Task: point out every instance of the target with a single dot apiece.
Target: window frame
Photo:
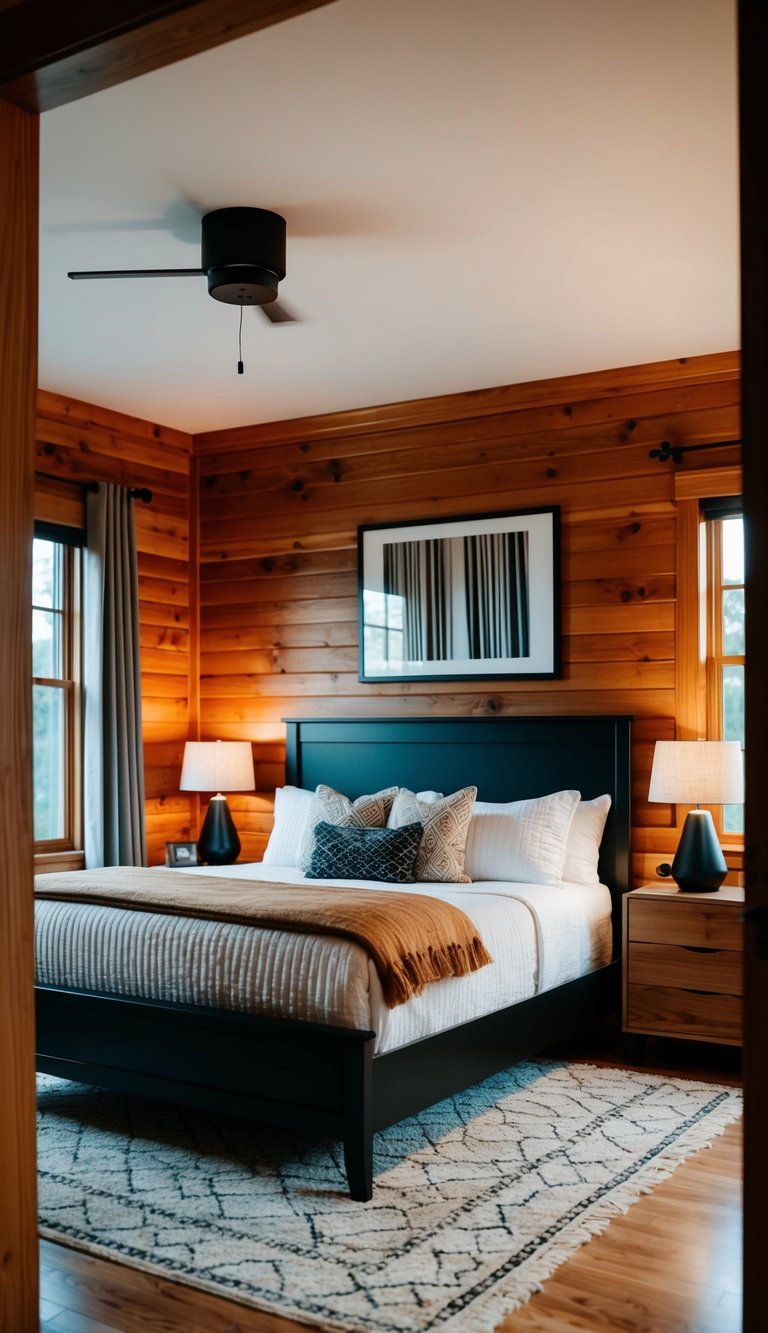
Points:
(49, 850)
(694, 706)
(715, 657)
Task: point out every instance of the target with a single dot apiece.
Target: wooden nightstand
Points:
(682, 964)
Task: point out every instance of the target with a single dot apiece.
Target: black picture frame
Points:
(473, 597)
(179, 855)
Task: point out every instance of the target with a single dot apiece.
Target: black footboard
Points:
(304, 1075)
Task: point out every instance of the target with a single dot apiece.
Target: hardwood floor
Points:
(671, 1264)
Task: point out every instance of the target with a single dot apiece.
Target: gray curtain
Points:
(113, 762)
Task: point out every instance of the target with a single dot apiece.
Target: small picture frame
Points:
(179, 855)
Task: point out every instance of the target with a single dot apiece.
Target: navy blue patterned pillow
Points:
(365, 853)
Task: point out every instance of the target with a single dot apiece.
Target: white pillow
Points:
(522, 841)
(292, 806)
(583, 846)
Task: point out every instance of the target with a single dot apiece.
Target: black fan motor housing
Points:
(243, 254)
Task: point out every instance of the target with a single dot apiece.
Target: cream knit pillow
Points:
(440, 858)
(332, 807)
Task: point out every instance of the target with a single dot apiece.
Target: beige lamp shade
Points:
(217, 766)
(697, 773)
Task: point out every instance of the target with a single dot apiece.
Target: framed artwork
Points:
(180, 854)
(461, 598)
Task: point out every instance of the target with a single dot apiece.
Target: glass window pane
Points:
(47, 573)
(49, 738)
(46, 644)
(733, 819)
(733, 622)
(733, 704)
(733, 550)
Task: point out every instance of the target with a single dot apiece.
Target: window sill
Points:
(46, 862)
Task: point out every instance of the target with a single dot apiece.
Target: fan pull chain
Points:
(240, 367)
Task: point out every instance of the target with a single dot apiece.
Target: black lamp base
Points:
(699, 865)
(218, 844)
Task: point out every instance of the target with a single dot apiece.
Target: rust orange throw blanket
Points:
(412, 938)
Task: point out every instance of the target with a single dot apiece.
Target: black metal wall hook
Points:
(667, 450)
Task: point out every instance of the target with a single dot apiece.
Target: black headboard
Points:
(506, 758)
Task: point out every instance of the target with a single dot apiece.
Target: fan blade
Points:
(278, 314)
(141, 273)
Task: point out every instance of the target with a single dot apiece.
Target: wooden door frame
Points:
(753, 116)
(18, 383)
(49, 54)
(52, 69)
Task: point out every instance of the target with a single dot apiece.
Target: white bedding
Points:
(538, 935)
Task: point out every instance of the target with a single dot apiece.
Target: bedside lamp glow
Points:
(698, 773)
(218, 766)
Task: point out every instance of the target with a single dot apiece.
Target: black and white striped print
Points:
(463, 597)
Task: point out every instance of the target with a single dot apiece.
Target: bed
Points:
(347, 1077)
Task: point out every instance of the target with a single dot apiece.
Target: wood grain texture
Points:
(719, 971)
(653, 1268)
(682, 1013)
(687, 921)
(18, 373)
(83, 442)
(683, 956)
(56, 54)
(279, 509)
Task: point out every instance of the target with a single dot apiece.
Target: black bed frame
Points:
(327, 1079)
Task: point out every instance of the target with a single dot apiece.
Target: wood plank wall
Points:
(77, 440)
(279, 509)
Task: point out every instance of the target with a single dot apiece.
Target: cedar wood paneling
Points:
(80, 441)
(279, 509)
(279, 506)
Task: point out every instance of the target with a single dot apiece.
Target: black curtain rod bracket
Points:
(142, 493)
(667, 450)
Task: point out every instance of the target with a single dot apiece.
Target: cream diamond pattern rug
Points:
(476, 1200)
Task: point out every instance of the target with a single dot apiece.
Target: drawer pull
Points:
(699, 948)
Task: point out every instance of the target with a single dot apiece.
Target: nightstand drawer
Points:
(692, 922)
(667, 1010)
(715, 970)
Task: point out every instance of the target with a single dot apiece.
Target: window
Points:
(725, 634)
(55, 687)
(710, 639)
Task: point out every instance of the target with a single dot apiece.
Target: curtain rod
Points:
(136, 492)
(676, 451)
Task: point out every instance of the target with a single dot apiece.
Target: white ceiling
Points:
(477, 192)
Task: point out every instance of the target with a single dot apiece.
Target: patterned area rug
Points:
(476, 1200)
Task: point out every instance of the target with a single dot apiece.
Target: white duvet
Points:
(539, 936)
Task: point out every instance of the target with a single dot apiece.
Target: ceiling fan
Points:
(242, 256)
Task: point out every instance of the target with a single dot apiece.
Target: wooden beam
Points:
(18, 375)
(53, 53)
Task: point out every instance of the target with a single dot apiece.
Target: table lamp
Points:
(696, 773)
(218, 766)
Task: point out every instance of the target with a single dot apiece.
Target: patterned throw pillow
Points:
(364, 853)
(333, 808)
(445, 824)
